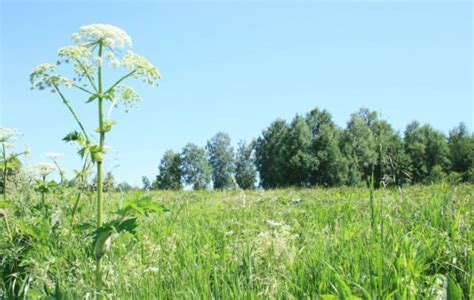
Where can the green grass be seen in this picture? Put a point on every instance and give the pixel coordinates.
(311, 243)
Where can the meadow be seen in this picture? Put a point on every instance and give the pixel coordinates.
(338, 243)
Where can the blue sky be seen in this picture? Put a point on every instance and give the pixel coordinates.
(235, 66)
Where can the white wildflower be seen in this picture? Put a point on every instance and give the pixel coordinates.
(142, 67)
(75, 52)
(273, 223)
(8, 135)
(275, 248)
(128, 96)
(98, 60)
(44, 76)
(114, 62)
(45, 168)
(110, 36)
(151, 270)
(52, 155)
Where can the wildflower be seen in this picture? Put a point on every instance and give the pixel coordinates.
(151, 270)
(128, 96)
(114, 62)
(74, 52)
(273, 223)
(142, 67)
(8, 135)
(52, 155)
(98, 60)
(44, 76)
(45, 168)
(110, 36)
(276, 245)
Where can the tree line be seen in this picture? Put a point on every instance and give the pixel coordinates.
(312, 150)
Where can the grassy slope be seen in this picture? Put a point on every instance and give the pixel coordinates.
(282, 243)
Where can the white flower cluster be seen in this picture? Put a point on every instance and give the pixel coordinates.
(142, 67)
(52, 155)
(86, 59)
(40, 169)
(8, 135)
(275, 248)
(110, 36)
(44, 76)
(45, 168)
(74, 52)
(128, 96)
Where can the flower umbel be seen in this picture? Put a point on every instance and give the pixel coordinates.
(8, 135)
(111, 36)
(142, 67)
(45, 168)
(52, 155)
(44, 76)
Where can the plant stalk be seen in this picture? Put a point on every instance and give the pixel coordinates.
(5, 174)
(98, 271)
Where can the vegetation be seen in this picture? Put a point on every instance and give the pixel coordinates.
(409, 243)
(313, 151)
(94, 45)
(398, 221)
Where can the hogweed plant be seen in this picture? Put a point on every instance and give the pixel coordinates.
(54, 157)
(95, 47)
(8, 162)
(43, 170)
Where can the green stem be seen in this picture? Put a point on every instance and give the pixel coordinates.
(87, 74)
(69, 106)
(82, 89)
(98, 271)
(5, 173)
(120, 80)
(42, 193)
(81, 184)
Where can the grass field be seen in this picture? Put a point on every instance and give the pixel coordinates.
(306, 244)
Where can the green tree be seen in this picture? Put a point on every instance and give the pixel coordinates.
(270, 159)
(109, 182)
(392, 164)
(124, 187)
(359, 146)
(146, 183)
(196, 169)
(169, 176)
(330, 167)
(221, 159)
(426, 149)
(245, 171)
(461, 152)
(296, 150)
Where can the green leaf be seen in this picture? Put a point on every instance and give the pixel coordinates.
(118, 225)
(92, 98)
(72, 137)
(141, 205)
(5, 204)
(84, 226)
(453, 291)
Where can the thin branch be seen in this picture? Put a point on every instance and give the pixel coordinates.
(87, 74)
(82, 89)
(120, 80)
(68, 104)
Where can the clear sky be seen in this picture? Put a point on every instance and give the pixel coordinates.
(235, 66)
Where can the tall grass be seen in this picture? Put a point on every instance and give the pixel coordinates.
(312, 243)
